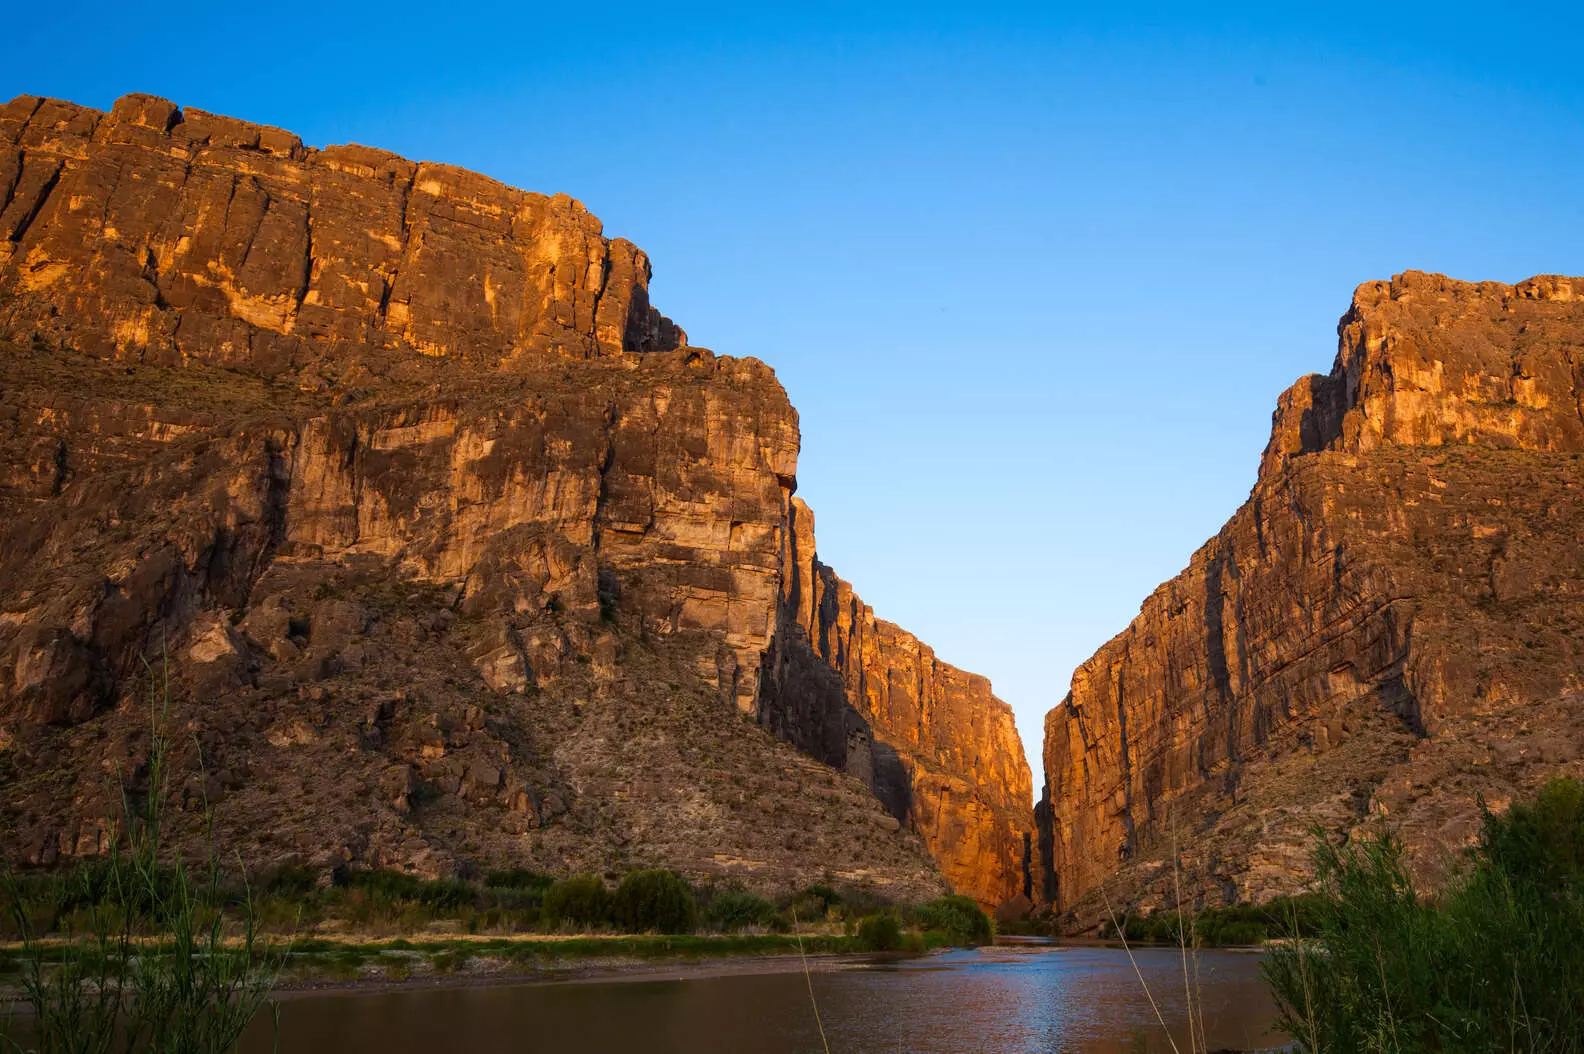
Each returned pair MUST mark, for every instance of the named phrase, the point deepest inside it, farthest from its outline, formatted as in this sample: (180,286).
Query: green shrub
(1540,845)
(193,988)
(959,917)
(1496,963)
(656,901)
(442,895)
(518,878)
(1235,924)
(880,933)
(289,882)
(824,895)
(581,900)
(730,910)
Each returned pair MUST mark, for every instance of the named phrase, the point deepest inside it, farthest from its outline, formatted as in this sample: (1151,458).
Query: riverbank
(318,964)
(322,964)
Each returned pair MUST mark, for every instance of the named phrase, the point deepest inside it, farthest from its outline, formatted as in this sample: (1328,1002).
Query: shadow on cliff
(803,701)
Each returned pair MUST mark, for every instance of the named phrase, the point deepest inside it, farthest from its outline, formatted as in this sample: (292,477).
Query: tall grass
(1496,962)
(152,961)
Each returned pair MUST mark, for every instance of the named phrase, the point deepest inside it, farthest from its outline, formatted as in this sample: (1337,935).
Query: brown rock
(1398,601)
(865,696)
(454,544)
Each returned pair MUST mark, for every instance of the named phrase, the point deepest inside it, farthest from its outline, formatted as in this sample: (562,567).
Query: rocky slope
(1392,625)
(458,553)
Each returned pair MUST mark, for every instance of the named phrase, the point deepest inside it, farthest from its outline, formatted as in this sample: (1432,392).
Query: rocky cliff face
(867,697)
(1391,625)
(457,553)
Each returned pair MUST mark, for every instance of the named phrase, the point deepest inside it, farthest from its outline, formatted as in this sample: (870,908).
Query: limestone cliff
(868,697)
(1391,625)
(458,554)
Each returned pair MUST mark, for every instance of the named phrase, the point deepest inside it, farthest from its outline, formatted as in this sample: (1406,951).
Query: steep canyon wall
(458,552)
(1391,625)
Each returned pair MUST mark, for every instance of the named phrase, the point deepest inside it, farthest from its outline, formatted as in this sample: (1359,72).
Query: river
(1010,999)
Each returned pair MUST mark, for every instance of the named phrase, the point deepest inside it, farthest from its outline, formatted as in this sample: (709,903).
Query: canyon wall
(455,553)
(867,697)
(1392,625)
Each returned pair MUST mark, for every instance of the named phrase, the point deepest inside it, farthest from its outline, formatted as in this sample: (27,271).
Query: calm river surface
(1003,1000)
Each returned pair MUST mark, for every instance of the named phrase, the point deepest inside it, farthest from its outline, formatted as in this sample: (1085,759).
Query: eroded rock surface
(1391,625)
(869,698)
(457,553)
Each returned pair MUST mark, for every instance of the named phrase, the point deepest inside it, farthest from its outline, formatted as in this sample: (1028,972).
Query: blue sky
(1033,277)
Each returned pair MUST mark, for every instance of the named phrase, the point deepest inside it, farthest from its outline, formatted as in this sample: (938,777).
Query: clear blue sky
(1033,277)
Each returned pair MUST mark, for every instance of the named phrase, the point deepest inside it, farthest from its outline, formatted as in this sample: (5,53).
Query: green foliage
(581,900)
(959,918)
(191,987)
(1497,963)
(440,895)
(289,882)
(880,933)
(1541,843)
(518,878)
(1234,925)
(824,895)
(731,910)
(655,901)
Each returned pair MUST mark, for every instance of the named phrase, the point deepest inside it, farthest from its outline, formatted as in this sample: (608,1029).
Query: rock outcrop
(867,697)
(457,554)
(1393,624)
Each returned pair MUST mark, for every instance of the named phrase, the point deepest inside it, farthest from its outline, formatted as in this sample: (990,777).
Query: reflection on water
(996,1001)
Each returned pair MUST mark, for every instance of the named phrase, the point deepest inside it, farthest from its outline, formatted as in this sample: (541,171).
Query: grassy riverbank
(389,927)
(317,961)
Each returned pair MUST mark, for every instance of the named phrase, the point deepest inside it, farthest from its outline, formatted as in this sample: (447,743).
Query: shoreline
(408,963)
(593,971)
(389,965)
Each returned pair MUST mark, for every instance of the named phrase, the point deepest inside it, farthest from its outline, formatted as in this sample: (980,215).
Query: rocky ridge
(1392,625)
(458,553)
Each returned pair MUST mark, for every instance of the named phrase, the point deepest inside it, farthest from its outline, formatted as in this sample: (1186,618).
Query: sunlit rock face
(171,235)
(1393,624)
(868,697)
(456,553)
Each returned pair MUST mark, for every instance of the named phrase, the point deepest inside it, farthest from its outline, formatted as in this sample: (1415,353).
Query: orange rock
(1400,590)
(461,553)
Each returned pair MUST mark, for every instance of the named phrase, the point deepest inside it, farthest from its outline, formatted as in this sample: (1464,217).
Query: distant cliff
(869,698)
(1392,625)
(459,554)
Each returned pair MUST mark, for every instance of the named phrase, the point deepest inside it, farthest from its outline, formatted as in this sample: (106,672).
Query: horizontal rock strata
(456,554)
(868,697)
(1393,624)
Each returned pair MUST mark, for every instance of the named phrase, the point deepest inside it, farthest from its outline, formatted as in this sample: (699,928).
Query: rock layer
(1391,625)
(458,554)
(865,696)
(171,235)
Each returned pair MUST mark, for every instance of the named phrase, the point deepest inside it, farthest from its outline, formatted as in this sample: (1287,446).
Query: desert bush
(655,901)
(518,878)
(444,895)
(1232,925)
(732,909)
(819,897)
(880,933)
(1496,962)
(288,882)
(959,918)
(192,988)
(581,900)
